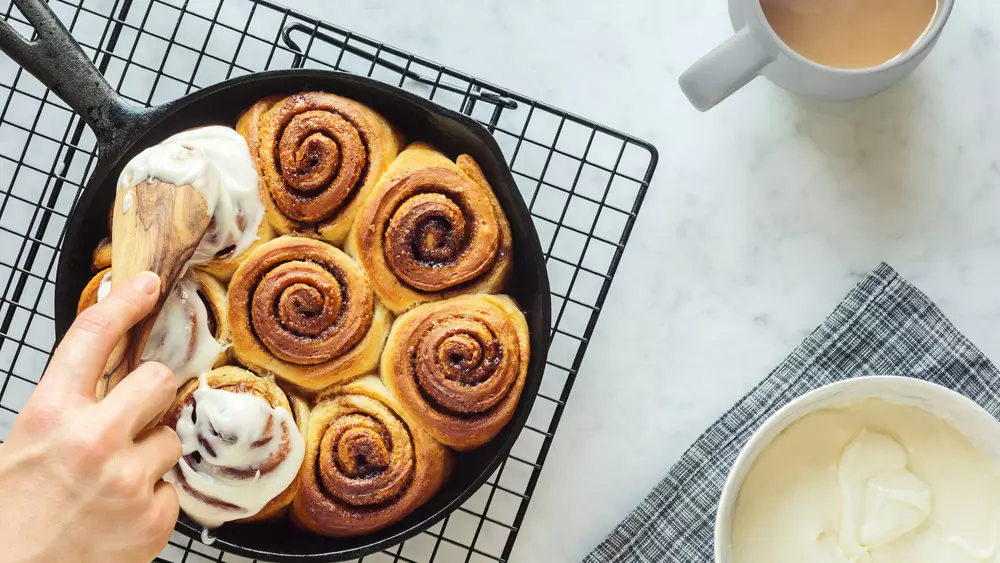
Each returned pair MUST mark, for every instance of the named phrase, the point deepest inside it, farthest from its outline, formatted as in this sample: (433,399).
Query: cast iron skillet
(122,131)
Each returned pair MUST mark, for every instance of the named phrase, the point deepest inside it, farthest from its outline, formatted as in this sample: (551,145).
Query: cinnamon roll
(459,366)
(318,156)
(96,289)
(431,229)
(303,310)
(367,464)
(243,447)
(191,332)
(102,255)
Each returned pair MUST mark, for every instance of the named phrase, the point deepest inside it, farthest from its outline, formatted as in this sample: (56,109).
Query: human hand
(80,479)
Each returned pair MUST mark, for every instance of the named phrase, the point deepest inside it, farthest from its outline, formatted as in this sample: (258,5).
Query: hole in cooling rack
(623,193)
(210,72)
(419,548)
(507,142)
(449,552)
(516,475)
(503,507)
(560,276)
(461,527)
(27,185)
(6,421)
(635,161)
(574,138)
(574,318)
(46,303)
(191,32)
(138,83)
(41,331)
(22,110)
(54,121)
(543,127)
(16,394)
(180,61)
(587,287)
(30,363)
(599,256)
(569,245)
(546,231)
(149,50)
(253,54)
(553,382)
(167,89)
(605,150)
(549,203)
(593,182)
(42,153)
(580,214)
(610,224)
(562,170)
(477,502)
(222,43)
(234,13)
(528,187)
(563,349)
(530,160)
(381,557)
(161,18)
(492,540)
(12,141)
(16,216)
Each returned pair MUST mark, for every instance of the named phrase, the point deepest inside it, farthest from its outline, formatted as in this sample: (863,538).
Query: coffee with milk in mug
(850,33)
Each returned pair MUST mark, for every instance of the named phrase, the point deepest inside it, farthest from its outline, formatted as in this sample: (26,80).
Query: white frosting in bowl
(871,481)
(215,161)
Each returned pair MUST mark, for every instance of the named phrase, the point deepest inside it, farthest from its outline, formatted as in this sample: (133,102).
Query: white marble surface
(763,213)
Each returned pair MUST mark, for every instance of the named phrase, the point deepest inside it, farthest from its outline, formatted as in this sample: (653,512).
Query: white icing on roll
(227,438)
(216,162)
(181,338)
(105,287)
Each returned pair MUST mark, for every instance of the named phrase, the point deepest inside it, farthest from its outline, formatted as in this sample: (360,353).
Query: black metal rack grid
(583,182)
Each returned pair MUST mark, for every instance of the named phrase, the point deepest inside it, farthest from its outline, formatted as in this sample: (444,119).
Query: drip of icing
(180,338)
(216,162)
(226,430)
(127,201)
(205,537)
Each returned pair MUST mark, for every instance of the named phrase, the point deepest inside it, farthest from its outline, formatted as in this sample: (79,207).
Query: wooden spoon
(156,227)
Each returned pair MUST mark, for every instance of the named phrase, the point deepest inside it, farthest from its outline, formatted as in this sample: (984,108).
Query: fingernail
(146,282)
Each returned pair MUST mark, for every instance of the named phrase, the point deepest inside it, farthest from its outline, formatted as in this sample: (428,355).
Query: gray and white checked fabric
(884,326)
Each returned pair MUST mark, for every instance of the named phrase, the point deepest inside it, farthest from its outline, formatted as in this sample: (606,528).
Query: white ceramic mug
(756,49)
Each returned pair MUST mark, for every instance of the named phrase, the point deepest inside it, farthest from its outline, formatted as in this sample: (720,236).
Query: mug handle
(724,70)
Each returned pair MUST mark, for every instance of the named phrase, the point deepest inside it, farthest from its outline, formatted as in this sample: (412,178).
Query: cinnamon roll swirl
(459,366)
(318,156)
(243,447)
(431,229)
(303,310)
(367,464)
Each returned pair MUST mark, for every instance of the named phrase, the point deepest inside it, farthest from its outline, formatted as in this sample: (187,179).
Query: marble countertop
(763,213)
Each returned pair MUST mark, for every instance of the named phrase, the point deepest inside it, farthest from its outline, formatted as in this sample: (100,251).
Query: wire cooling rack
(583,182)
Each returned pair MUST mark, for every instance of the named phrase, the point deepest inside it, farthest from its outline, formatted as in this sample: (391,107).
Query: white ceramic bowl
(965,415)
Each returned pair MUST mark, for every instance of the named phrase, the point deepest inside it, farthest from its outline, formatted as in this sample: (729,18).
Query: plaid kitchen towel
(884,326)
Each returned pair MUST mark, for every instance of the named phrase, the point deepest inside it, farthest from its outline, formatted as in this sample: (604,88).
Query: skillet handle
(57,60)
